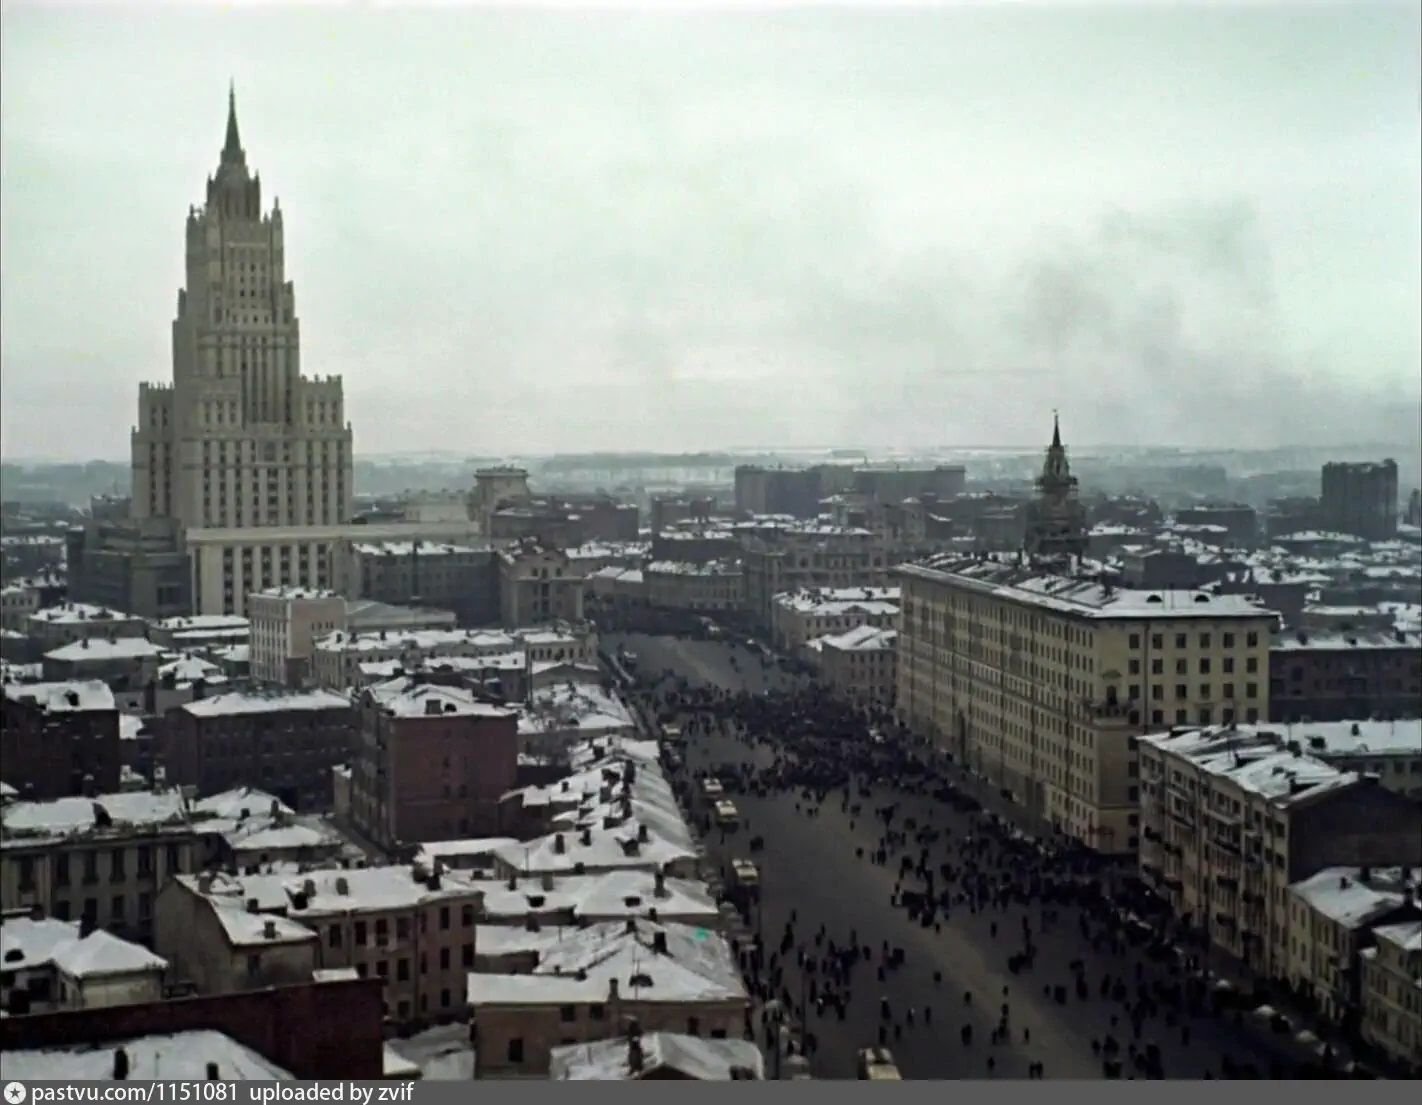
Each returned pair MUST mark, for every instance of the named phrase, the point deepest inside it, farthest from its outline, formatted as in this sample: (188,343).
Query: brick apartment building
(1335,675)
(59,739)
(285,742)
(431,762)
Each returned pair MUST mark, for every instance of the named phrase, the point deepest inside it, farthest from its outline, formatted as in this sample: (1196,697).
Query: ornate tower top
(1056,474)
(1056,525)
(233,192)
(232,148)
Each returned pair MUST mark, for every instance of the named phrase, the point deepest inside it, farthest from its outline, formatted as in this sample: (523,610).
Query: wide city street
(942,1010)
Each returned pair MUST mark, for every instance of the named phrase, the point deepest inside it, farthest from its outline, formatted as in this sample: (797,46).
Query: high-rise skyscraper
(240,439)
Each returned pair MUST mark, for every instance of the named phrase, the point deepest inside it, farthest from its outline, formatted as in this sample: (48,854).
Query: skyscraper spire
(1056,431)
(232,148)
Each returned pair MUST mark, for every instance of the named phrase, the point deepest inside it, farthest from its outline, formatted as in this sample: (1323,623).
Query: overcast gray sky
(569,230)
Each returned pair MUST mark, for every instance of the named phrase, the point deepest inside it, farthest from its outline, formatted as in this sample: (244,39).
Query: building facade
(1361,499)
(538,584)
(1339,676)
(1042,682)
(59,739)
(286,624)
(1392,993)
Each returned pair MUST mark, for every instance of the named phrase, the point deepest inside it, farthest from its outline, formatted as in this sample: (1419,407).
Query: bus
(876,1064)
(711,787)
(727,816)
(745,873)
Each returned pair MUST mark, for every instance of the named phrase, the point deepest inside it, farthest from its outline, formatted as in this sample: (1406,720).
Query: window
(402,928)
(360,933)
(467,916)
(1135,640)
(383,968)
(116,913)
(1157,666)
(1228,665)
(568,1013)
(1157,640)
(1182,666)
(61,870)
(1204,640)
(1251,665)
(333,936)
(1229,690)
(402,971)
(91,867)
(467,957)
(515,1052)
(444,916)
(1204,665)
(1181,691)
(27,873)
(382,931)
(444,999)
(1205,714)
(1252,640)
(254,965)
(1228,640)
(597,1011)
(1251,690)
(693,1026)
(1205,690)
(1180,640)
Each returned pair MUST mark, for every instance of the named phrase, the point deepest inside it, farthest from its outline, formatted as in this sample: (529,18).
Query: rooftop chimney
(558,846)
(120,1064)
(253,906)
(659,942)
(642,834)
(269,930)
(659,881)
(212,1073)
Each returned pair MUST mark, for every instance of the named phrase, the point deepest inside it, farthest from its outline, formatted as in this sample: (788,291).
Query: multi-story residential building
(666,977)
(1331,915)
(240,437)
(286,623)
(284,742)
(780,557)
(858,665)
(538,584)
(706,587)
(135,564)
(697,544)
(103,858)
(59,739)
(1230,820)
(409,927)
(431,763)
(1337,675)
(1041,682)
(1392,993)
(1361,499)
(1239,521)
(670,510)
(56,626)
(798,617)
(894,484)
(462,578)
(495,488)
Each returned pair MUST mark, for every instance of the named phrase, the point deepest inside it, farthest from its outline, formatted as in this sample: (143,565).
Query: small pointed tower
(1056,522)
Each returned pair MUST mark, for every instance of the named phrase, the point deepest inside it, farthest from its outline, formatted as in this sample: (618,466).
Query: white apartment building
(1392,992)
(1042,682)
(798,617)
(286,623)
(858,665)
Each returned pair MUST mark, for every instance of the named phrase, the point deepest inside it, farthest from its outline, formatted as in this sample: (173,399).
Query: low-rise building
(1392,993)
(431,762)
(195,631)
(286,742)
(409,927)
(59,739)
(52,965)
(17,602)
(338,658)
(1230,820)
(667,977)
(1335,675)
(122,662)
(663,1056)
(461,578)
(56,626)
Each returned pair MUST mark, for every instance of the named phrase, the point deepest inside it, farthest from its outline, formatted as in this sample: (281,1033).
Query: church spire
(232,148)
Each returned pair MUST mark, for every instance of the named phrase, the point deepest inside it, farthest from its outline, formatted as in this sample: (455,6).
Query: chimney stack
(120,1064)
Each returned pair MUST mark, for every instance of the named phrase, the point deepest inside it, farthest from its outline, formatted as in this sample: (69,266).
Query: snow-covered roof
(1324,740)
(1343,896)
(695,1057)
(63,697)
(1253,761)
(414,548)
(1312,640)
(265,702)
(185,669)
(65,816)
(426,640)
(26,944)
(1406,935)
(583,706)
(202,622)
(181,1055)
(604,850)
(79,613)
(101,648)
(101,953)
(693,568)
(407,697)
(696,965)
(610,894)
(294,592)
(619,573)
(334,891)
(451,851)
(1085,598)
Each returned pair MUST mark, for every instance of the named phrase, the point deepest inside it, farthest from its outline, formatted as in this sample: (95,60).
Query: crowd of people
(804,746)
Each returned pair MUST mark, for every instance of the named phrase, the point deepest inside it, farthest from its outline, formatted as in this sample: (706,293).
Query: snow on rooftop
(86,694)
(429,640)
(101,953)
(334,890)
(78,613)
(696,1057)
(185,669)
(861,638)
(202,622)
(181,1055)
(696,966)
(62,816)
(1407,935)
(101,648)
(415,548)
(693,568)
(406,697)
(1309,640)
(26,942)
(584,706)
(266,701)
(1344,897)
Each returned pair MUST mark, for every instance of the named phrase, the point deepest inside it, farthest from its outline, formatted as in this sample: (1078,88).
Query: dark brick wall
(1361,827)
(314,1030)
(53,752)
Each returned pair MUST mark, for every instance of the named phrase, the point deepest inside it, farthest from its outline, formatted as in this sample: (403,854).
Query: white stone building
(286,624)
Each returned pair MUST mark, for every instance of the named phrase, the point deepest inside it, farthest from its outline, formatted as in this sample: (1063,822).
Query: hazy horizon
(566,231)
